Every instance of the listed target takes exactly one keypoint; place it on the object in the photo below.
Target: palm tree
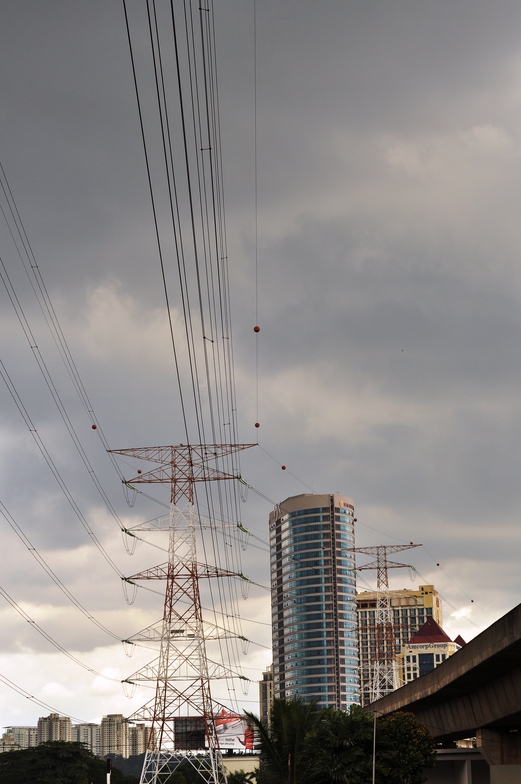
(339, 748)
(283, 743)
(240, 777)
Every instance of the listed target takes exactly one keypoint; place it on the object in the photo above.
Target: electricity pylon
(383, 677)
(182, 672)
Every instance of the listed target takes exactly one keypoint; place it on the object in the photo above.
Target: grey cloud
(388, 278)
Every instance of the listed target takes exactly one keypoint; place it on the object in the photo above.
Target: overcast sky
(389, 280)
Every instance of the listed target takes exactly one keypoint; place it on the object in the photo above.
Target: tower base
(158, 766)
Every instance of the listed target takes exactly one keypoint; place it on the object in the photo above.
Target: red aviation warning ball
(139, 471)
(256, 329)
(283, 468)
(94, 427)
(355, 519)
(257, 424)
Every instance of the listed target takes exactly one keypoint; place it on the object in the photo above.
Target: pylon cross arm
(195, 473)
(163, 571)
(182, 465)
(376, 565)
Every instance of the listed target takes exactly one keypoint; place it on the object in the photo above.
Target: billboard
(189, 733)
(233, 732)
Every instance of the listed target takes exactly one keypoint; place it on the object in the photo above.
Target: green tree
(406, 747)
(185, 774)
(176, 778)
(56, 762)
(339, 749)
(241, 777)
(309, 745)
(283, 743)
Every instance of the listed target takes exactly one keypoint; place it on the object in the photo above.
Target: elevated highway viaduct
(474, 693)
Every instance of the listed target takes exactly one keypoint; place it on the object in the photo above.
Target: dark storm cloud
(388, 183)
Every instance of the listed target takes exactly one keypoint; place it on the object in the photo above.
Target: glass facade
(313, 592)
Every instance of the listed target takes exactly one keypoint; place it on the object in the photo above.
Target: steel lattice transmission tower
(182, 672)
(383, 676)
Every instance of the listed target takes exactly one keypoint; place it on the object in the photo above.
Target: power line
(54, 391)
(45, 566)
(50, 639)
(53, 468)
(11, 685)
(28, 260)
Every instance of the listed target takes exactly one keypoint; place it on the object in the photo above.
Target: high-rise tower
(313, 595)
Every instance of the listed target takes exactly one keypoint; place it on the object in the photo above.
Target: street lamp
(373, 778)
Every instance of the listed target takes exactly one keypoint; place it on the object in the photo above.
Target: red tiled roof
(429, 632)
(460, 641)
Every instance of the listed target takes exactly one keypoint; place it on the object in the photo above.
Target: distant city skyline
(113, 735)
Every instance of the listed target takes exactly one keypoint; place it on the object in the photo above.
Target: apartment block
(138, 739)
(114, 735)
(23, 737)
(89, 735)
(54, 727)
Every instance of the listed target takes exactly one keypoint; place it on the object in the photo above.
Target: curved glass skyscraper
(313, 600)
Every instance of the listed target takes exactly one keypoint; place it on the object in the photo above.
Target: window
(426, 662)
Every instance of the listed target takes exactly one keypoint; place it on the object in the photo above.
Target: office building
(114, 735)
(410, 609)
(426, 650)
(313, 596)
(266, 695)
(54, 727)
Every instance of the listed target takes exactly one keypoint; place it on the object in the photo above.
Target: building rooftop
(460, 641)
(430, 632)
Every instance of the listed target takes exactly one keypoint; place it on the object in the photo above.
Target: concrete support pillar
(505, 774)
(464, 772)
(500, 747)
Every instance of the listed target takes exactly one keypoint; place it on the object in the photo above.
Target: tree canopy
(410, 748)
(309, 745)
(283, 744)
(57, 762)
(242, 777)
